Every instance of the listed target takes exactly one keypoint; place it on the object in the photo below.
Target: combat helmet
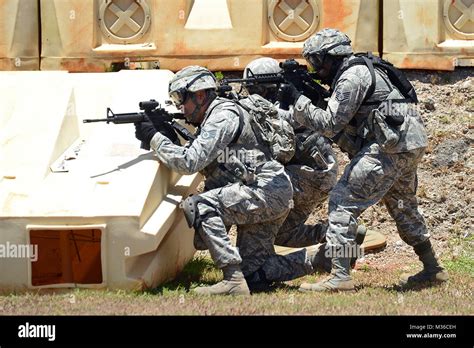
(190, 79)
(326, 41)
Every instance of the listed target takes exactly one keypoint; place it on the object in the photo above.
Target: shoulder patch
(342, 95)
(208, 134)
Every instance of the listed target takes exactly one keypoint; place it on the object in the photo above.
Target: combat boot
(233, 283)
(432, 270)
(257, 282)
(339, 280)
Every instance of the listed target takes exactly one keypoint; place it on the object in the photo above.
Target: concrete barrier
(101, 211)
(90, 36)
(437, 35)
(19, 35)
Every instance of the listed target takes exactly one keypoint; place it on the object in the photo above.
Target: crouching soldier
(312, 170)
(244, 185)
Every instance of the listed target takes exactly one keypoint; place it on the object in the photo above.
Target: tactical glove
(145, 131)
(287, 95)
(168, 131)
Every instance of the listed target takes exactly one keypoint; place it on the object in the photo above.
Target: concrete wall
(97, 35)
(220, 34)
(19, 35)
(60, 175)
(437, 34)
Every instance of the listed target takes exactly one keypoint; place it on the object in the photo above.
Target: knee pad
(191, 212)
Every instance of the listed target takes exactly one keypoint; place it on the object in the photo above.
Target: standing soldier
(370, 117)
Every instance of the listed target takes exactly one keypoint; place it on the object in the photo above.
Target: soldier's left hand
(145, 131)
(288, 94)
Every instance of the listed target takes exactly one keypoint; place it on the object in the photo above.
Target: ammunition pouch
(351, 139)
(384, 124)
(308, 152)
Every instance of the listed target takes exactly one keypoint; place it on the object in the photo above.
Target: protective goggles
(317, 59)
(179, 96)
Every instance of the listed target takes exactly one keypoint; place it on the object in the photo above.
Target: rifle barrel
(96, 120)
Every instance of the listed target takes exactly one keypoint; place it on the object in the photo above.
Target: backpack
(270, 128)
(383, 125)
(396, 77)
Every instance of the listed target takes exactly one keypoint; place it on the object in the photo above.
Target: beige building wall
(90, 35)
(429, 34)
(19, 35)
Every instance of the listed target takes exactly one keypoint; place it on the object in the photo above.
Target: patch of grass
(199, 271)
(376, 295)
(461, 264)
(219, 75)
(446, 119)
(441, 134)
(364, 268)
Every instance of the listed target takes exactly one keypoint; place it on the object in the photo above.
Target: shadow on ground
(199, 271)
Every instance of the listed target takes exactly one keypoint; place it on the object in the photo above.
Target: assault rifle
(161, 119)
(292, 72)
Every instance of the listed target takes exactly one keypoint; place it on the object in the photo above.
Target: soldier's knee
(194, 217)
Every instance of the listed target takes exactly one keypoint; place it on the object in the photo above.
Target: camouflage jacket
(346, 111)
(225, 151)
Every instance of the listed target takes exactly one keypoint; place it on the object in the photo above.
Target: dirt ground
(446, 185)
(445, 176)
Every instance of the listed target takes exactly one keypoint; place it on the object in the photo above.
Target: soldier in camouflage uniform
(244, 186)
(313, 169)
(375, 173)
(312, 179)
(313, 173)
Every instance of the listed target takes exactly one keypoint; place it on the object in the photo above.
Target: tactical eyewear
(317, 59)
(179, 96)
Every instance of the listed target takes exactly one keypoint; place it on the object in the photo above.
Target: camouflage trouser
(311, 188)
(370, 177)
(257, 210)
